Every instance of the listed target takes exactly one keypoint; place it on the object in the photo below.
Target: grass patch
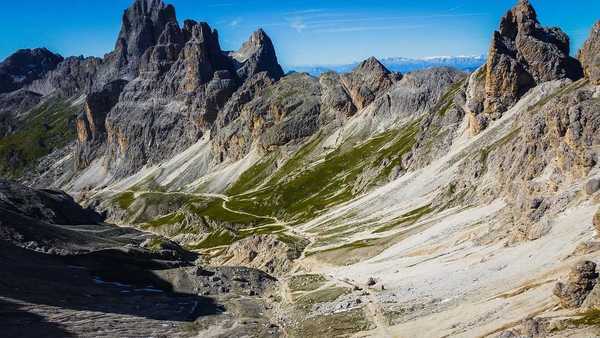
(125, 200)
(253, 177)
(299, 192)
(171, 219)
(406, 219)
(215, 239)
(588, 318)
(341, 324)
(447, 100)
(308, 282)
(46, 128)
(307, 300)
(349, 246)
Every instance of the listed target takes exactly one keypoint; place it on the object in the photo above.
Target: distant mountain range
(400, 64)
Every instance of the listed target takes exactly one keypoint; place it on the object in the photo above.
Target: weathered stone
(580, 282)
(589, 55)
(91, 129)
(592, 186)
(367, 81)
(522, 54)
(257, 55)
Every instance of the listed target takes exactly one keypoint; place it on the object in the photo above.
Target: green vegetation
(125, 200)
(215, 239)
(47, 127)
(214, 210)
(447, 100)
(308, 282)
(298, 191)
(156, 244)
(297, 162)
(164, 220)
(588, 318)
(349, 246)
(253, 177)
(307, 300)
(342, 324)
(406, 219)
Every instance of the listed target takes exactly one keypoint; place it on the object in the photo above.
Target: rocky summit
(173, 188)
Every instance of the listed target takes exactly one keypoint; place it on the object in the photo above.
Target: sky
(309, 32)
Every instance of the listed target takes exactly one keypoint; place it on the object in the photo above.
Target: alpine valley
(174, 189)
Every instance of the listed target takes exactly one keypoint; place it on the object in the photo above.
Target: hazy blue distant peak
(402, 64)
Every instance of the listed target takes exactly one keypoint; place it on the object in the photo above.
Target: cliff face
(522, 55)
(589, 55)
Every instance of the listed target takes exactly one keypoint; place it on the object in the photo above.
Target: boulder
(581, 280)
(592, 186)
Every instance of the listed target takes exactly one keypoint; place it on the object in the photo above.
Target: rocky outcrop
(91, 129)
(589, 55)
(75, 76)
(25, 66)
(174, 101)
(367, 81)
(265, 252)
(142, 25)
(257, 55)
(580, 282)
(42, 205)
(522, 54)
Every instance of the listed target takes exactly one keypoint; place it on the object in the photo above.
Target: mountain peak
(26, 65)
(257, 55)
(372, 64)
(142, 25)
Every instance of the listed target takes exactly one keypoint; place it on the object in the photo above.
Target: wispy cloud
(367, 28)
(235, 22)
(325, 21)
(298, 24)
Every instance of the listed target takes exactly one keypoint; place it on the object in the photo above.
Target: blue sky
(304, 32)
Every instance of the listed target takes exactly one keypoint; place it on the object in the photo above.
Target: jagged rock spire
(257, 55)
(522, 55)
(143, 24)
(589, 55)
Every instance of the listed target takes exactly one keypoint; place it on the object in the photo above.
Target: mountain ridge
(401, 64)
(434, 202)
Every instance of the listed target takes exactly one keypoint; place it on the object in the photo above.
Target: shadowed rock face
(522, 54)
(589, 55)
(25, 66)
(91, 128)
